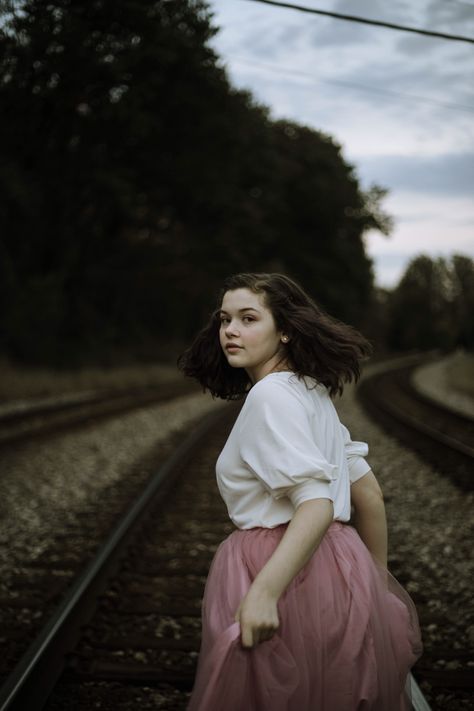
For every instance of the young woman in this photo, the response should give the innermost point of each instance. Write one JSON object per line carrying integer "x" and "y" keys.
{"x": 299, "y": 611}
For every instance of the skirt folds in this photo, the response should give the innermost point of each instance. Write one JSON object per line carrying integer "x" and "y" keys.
{"x": 348, "y": 633}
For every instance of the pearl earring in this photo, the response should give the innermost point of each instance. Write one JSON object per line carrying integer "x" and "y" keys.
{"x": 284, "y": 339}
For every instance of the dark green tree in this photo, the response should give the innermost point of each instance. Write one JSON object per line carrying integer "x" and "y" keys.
{"x": 462, "y": 274}
{"x": 432, "y": 305}
{"x": 100, "y": 101}
{"x": 319, "y": 217}
{"x": 135, "y": 177}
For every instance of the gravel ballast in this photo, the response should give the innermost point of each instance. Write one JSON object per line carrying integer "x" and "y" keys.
{"x": 47, "y": 485}
{"x": 430, "y": 527}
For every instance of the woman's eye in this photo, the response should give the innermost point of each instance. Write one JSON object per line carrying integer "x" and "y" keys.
{"x": 245, "y": 318}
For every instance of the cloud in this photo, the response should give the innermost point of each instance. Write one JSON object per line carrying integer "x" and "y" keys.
{"x": 445, "y": 225}
{"x": 449, "y": 17}
{"x": 291, "y": 37}
{"x": 449, "y": 174}
{"x": 343, "y": 34}
{"x": 340, "y": 51}
{"x": 334, "y": 32}
{"x": 421, "y": 78}
{"x": 439, "y": 233}
{"x": 387, "y": 97}
{"x": 390, "y": 267}
{"x": 365, "y": 120}
{"x": 264, "y": 40}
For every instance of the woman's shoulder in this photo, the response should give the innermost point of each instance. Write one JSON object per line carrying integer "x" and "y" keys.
{"x": 277, "y": 381}
{"x": 284, "y": 384}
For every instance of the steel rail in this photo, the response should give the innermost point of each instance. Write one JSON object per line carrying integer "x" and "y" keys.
{"x": 385, "y": 368}
{"x": 33, "y": 678}
{"x": 35, "y": 675}
{"x": 418, "y": 700}
{"x": 25, "y": 409}
{"x": 50, "y": 417}
{"x": 429, "y": 431}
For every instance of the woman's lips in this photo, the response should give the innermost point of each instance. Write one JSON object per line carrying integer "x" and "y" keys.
{"x": 232, "y": 347}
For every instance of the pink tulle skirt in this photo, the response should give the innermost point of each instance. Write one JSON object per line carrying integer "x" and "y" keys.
{"x": 348, "y": 633}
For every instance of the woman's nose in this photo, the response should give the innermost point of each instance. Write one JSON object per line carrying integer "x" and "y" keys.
{"x": 231, "y": 329}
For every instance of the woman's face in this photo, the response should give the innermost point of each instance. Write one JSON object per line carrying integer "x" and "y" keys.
{"x": 248, "y": 325}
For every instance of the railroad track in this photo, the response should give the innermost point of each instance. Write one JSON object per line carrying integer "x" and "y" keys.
{"x": 442, "y": 437}
{"x": 446, "y": 440}
{"x": 25, "y": 420}
{"x": 127, "y": 631}
{"x": 151, "y": 603}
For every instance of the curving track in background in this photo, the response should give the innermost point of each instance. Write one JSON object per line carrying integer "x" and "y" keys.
{"x": 445, "y": 439}
{"x": 42, "y": 418}
{"x": 441, "y": 436}
{"x": 129, "y": 623}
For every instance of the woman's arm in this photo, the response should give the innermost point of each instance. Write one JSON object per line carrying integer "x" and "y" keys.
{"x": 257, "y": 613}
{"x": 369, "y": 518}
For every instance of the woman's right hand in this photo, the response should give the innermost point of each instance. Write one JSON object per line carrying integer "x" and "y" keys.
{"x": 258, "y": 617}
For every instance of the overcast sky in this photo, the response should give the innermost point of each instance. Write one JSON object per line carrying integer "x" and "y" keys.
{"x": 400, "y": 105}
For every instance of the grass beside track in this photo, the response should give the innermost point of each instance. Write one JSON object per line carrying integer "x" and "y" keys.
{"x": 459, "y": 367}
{"x": 19, "y": 382}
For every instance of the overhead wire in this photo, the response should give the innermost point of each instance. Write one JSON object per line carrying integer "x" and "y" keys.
{"x": 366, "y": 21}
{"x": 278, "y": 69}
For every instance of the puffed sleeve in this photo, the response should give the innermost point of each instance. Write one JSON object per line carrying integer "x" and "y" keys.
{"x": 355, "y": 453}
{"x": 277, "y": 444}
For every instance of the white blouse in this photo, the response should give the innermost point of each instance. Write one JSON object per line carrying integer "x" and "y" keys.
{"x": 287, "y": 445}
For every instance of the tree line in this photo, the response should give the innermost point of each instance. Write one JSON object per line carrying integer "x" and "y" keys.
{"x": 432, "y": 306}
{"x": 135, "y": 177}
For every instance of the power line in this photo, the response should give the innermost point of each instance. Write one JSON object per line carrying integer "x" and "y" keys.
{"x": 362, "y": 20}
{"x": 278, "y": 69}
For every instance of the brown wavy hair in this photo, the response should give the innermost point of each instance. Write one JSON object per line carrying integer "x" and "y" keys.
{"x": 319, "y": 346}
